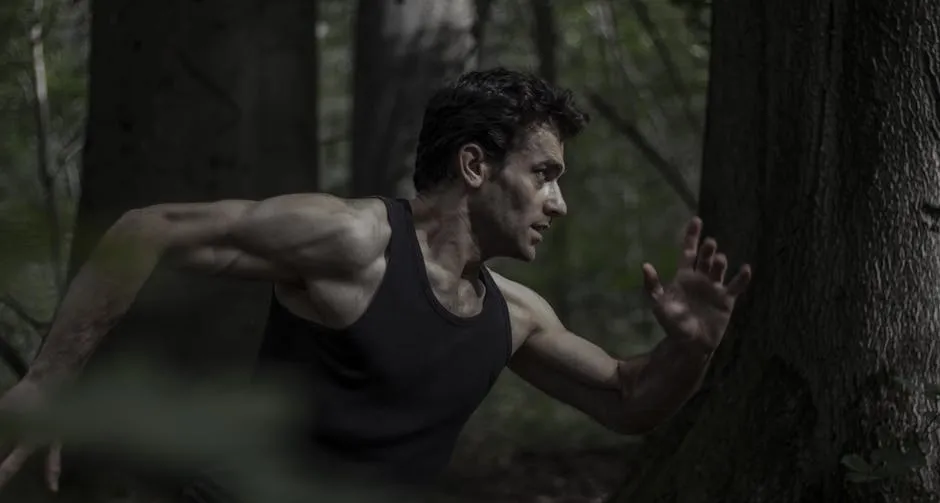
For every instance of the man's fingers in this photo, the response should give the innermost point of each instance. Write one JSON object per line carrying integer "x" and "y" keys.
{"x": 739, "y": 283}
{"x": 690, "y": 243}
{"x": 54, "y": 467}
{"x": 719, "y": 266}
{"x": 13, "y": 462}
{"x": 706, "y": 255}
{"x": 651, "y": 280}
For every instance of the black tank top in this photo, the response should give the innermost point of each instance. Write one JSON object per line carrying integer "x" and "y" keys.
{"x": 392, "y": 392}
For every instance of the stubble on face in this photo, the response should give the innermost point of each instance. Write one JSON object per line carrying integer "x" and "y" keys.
{"x": 517, "y": 193}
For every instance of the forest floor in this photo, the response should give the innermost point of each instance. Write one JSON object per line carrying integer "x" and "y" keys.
{"x": 587, "y": 476}
{"x": 562, "y": 476}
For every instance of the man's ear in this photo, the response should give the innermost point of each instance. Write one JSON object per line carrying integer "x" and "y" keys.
{"x": 472, "y": 165}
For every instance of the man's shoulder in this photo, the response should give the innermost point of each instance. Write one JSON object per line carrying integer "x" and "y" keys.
{"x": 529, "y": 310}
{"x": 354, "y": 231}
{"x": 366, "y": 228}
{"x": 323, "y": 205}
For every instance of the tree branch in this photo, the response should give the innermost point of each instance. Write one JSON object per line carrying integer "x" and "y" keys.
{"x": 672, "y": 70}
{"x": 670, "y": 172}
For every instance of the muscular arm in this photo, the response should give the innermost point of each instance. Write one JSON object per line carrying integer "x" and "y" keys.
{"x": 284, "y": 239}
{"x": 627, "y": 396}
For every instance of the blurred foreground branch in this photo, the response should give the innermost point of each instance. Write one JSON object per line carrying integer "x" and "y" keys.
{"x": 148, "y": 417}
{"x": 669, "y": 171}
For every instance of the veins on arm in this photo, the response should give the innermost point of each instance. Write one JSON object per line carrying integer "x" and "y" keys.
{"x": 283, "y": 239}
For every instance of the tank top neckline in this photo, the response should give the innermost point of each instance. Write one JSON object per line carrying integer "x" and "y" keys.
{"x": 422, "y": 271}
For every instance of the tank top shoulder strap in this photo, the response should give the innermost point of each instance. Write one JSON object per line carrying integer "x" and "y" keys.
{"x": 400, "y": 246}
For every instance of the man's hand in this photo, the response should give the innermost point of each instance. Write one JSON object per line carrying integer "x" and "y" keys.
{"x": 696, "y": 306}
{"x": 27, "y": 396}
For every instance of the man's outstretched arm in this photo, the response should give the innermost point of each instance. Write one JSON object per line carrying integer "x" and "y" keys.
{"x": 634, "y": 395}
{"x": 283, "y": 239}
{"x": 290, "y": 239}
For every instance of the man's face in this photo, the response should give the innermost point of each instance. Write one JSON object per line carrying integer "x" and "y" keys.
{"x": 515, "y": 205}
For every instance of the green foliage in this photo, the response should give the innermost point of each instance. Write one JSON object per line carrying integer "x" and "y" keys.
{"x": 26, "y": 261}
{"x": 884, "y": 463}
{"x": 141, "y": 412}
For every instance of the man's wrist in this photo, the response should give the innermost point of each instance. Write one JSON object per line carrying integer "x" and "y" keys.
{"x": 691, "y": 348}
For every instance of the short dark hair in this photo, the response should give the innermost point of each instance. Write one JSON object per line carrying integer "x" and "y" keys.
{"x": 490, "y": 108}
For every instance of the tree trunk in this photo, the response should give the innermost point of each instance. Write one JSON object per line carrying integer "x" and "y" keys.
{"x": 195, "y": 101}
{"x": 403, "y": 52}
{"x": 821, "y": 170}
{"x": 545, "y": 38}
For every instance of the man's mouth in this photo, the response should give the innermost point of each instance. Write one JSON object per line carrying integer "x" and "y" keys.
{"x": 540, "y": 228}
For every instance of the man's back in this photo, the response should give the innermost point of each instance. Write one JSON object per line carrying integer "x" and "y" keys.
{"x": 391, "y": 390}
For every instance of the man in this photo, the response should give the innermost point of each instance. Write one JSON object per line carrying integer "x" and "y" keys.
{"x": 388, "y": 303}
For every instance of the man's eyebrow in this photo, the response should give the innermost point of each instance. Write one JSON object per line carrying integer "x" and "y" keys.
{"x": 552, "y": 164}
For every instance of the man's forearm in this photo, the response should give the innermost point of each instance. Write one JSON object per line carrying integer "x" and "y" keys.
{"x": 101, "y": 292}
{"x": 656, "y": 385}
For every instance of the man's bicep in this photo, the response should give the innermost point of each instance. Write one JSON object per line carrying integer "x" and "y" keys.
{"x": 562, "y": 354}
{"x": 574, "y": 371}
{"x": 548, "y": 346}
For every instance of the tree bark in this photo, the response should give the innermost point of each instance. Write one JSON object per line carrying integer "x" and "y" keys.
{"x": 189, "y": 102}
{"x": 196, "y": 102}
{"x": 821, "y": 170}
{"x": 545, "y": 40}
{"x": 403, "y": 52}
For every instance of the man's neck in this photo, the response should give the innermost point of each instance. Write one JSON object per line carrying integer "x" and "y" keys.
{"x": 442, "y": 221}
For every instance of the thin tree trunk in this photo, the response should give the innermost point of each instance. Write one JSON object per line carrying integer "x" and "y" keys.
{"x": 545, "y": 36}
{"x": 403, "y": 52}
{"x": 832, "y": 195}
{"x": 40, "y": 99}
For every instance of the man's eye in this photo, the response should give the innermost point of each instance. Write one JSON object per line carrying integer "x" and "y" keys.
{"x": 541, "y": 174}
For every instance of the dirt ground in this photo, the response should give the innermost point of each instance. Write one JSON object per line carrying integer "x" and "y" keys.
{"x": 540, "y": 477}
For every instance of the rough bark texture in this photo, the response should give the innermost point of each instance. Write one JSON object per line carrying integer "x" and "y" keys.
{"x": 195, "y": 101}
{"x": 821, "y": 169}
{"x": 403, "y": 52}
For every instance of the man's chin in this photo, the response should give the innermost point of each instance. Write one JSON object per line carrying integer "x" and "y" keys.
{"x": 527, "y": 253}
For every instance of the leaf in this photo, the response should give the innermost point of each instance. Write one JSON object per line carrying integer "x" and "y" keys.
{"x": 894, "y": 461}
{"x": 856, "y": 463}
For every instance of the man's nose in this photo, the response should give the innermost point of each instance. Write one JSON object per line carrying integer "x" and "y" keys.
{"x": 556, "y": 206}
